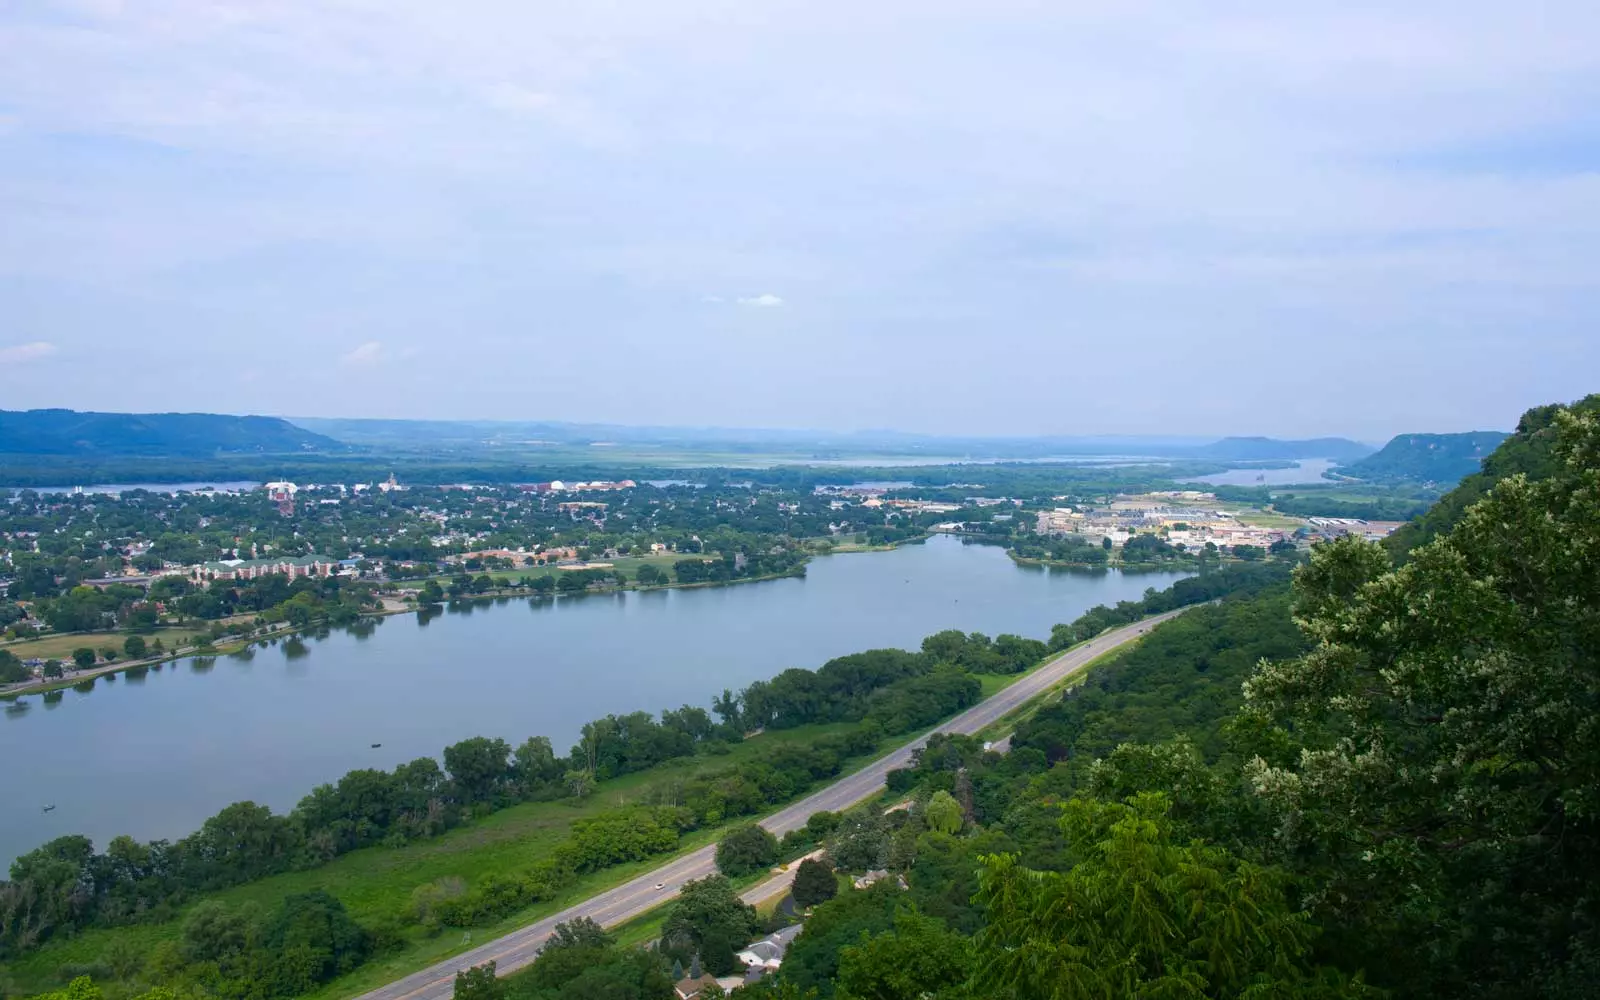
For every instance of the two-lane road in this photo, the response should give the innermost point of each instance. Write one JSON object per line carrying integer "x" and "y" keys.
{"x": 629, "y": 900}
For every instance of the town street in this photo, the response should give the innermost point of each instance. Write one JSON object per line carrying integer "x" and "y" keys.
{"x": 519, "y": 948}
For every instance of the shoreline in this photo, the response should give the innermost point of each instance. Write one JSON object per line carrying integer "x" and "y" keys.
{"x": 46, "y": 686}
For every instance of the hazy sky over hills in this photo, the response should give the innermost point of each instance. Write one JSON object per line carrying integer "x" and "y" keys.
{"x": 984, "y": 217}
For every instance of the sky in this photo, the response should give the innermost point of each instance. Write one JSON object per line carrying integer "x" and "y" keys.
{"x": 995, "y": 217}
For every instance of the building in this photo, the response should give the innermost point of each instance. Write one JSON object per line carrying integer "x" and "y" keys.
{"x": 767, "y": 954}
{"x": 688, "y": 989}
{"x": 250, "y": 569}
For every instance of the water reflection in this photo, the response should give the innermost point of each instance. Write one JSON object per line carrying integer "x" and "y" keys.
{"x": 84, "y": 686}
{"x": 202, "y": 664}
{"x": 53, "y": 698}
{"x": 295, "y": 649}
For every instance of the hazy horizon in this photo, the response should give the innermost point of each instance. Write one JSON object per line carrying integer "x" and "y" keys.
{"x": 999, "y": 219}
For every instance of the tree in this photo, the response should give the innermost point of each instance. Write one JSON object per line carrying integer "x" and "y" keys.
{"x": 710, "y": 922}
{"x": 650, "y": 576}
{"x": 431, "y": 593}
{"x": 478, "y": 766}
{"x": 746, "y": 850}
{"x": 52, "y": 669}
{"x": 1447, "y": 796}
{"x": 580, "y": 933}
{"x": 814, "y": 882}
{"x": 479, "y": 983}
{"x": 83, "y": 657}
{"x": 860, "y": 843}
{"x": 918, "y": 959}
{"x": 580, "y": 781}
{"x": 943, "y": 813}
{"x": 1141, "y": 915}
{"x": 134, "y": 646}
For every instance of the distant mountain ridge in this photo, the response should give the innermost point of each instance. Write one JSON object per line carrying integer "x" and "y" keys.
{"x": 1244, "y": 449}
{"x": 71, "y": 432}
{"x": 1427, "y": 458}
{"x": 431, "y": 434}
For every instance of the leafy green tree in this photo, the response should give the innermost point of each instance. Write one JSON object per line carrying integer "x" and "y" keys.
{"x": 311, "y": 939}
{"x": 814, "y": 882}
{"x": 83, "y": 657}
{"x": 746, "y": 850}
{"x": 943, "y": 813}
{"x": 479, "y": 983}
{"x": 134, "y": 646}
{"x": 860, "y": 842}
{"x": 1446, "y": 801}
{"x": 812, "y": 961}
{"x": 919, "y": 959}
{"x": 52, "y": 669}
{"x": 1141, "y": 915}
{"x": 709, "y": 919}
{"x": 479, "y": 766}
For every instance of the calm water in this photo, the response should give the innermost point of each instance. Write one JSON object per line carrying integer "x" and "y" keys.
{"x": 154, "y": 758}
{"x": 1306, "y": 470}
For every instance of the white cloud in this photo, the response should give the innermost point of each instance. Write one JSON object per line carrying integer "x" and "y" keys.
{"x": 21, "y": 354}
{"x": 766, "y": 301}
{"x": 521, "y": 100}
{"x": 369, "y": 353}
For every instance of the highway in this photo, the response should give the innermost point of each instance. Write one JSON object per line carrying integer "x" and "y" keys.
{"x": 520, "y": 947}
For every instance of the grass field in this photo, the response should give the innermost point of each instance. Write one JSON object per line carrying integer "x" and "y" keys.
{"x": 60, "y": 647}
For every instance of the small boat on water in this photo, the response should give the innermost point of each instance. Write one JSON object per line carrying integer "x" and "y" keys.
{"x": 49, "y": 807}
{"x": 376, "y": 745}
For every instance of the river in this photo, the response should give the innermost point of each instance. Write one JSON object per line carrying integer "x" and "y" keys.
{"x": 154, "y": 757}
{"x": 1304, "y": 471}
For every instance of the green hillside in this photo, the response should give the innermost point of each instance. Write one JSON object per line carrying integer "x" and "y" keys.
{"x": 1529, "y": 451}
{"x": 69, "y": 432}
{"x": 1427, "y": 458}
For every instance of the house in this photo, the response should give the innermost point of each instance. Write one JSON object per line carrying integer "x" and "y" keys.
{"x": 767, "y": 954}
{"x": 688, "y": 989}
{"x": 875, "y": 876}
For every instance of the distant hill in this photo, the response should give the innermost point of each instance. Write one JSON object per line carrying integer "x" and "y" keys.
{"x": 1245, "y": 449}
{"x": 1427, "y": 458}
{"x": 1527, "y": 451}
{"x": 69, "y": 432}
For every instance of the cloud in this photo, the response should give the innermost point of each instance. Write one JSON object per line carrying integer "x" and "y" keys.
{"x": 21, "y": 354}
{"x": 367, "y": 354}
{"x": 766, "y": 301}
{"x": 521, "y": 100}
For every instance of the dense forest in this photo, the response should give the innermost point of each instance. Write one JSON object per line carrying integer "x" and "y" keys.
{"x": 1426, "y": 458}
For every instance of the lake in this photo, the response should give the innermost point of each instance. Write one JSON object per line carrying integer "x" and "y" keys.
{"x": 154, "y": 757}
{"x": 1305, "y": 470}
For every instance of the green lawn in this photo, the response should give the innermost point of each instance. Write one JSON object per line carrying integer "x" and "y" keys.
{"x": 60, "y": 647}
